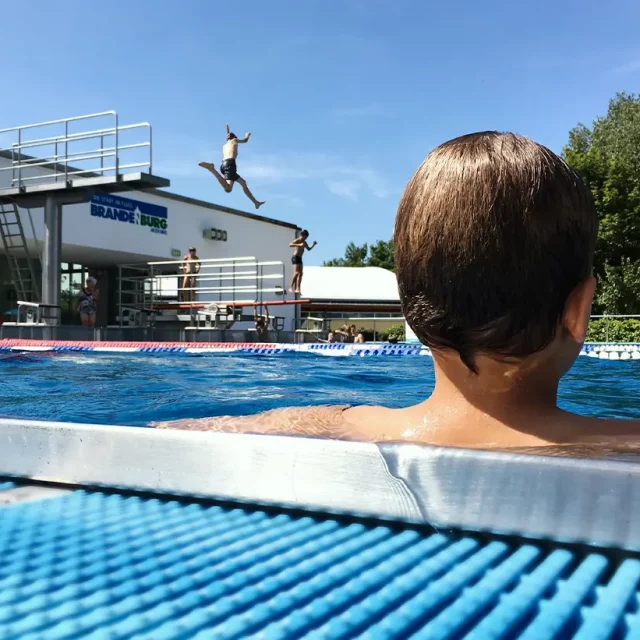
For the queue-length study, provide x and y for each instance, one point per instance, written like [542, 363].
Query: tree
[620, 288]
[379, 254]
[608, 157]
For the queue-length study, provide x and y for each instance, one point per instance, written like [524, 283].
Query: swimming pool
[136, 389]
[171, 567]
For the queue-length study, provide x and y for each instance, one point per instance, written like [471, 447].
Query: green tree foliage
[620, 288]
[396, 331]
[354, 256]
[379, 254]
[614, 330]
[608, 157]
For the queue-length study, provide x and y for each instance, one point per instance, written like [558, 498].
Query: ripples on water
[136, 389]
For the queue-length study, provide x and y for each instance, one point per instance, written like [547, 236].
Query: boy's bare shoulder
[590, 430]
[318, 421]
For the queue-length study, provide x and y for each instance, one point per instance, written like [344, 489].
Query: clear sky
[344, 98]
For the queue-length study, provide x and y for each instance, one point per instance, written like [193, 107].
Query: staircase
[21, 264]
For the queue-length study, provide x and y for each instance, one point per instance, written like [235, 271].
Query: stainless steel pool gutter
[590, 501]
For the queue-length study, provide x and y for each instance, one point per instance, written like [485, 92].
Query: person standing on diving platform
[228, 168]
[299, 245]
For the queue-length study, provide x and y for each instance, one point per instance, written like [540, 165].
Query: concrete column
[52, 251]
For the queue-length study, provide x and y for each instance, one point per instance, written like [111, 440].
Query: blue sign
[129, 211]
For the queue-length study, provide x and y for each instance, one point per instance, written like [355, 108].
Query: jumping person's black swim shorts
[296, 259]
[229, 169]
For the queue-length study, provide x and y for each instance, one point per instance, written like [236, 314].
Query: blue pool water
[135, 389]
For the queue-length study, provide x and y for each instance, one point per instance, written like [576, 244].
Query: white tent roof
[350, 284]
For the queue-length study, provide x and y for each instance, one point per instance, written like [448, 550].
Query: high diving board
[52, 166]
[52, 159]
[35, 194]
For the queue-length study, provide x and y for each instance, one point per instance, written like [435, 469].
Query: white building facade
[138, 227]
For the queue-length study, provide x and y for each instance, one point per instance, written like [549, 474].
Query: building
[109, 230]
[364, 296]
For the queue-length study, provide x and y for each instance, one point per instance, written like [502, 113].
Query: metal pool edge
[573, 500]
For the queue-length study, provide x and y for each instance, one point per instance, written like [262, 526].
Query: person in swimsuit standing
[88, 303]
[299, 245]
[229, 169]
[190, 267]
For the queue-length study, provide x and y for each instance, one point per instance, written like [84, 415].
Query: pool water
[136, 389]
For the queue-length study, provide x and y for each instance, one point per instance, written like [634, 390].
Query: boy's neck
[502, 390]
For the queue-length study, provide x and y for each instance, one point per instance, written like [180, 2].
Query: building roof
[59, 168]
[350, 284]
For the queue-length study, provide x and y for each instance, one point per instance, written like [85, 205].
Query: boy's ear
[577, 309]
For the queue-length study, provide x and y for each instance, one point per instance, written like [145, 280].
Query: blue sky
[344, 98]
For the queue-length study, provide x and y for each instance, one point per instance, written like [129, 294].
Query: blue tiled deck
[106, 565]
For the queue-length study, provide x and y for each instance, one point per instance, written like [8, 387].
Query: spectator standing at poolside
[87, 305]
[190, 267]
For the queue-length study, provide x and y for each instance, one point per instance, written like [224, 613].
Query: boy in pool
[494, 244]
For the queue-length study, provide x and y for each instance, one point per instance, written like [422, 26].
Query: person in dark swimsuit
[299, 245]
[190, 267]
[88, 303]
[228, 169]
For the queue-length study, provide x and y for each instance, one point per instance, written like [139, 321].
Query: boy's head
[304, 234]
[494, 244]
[231, 136]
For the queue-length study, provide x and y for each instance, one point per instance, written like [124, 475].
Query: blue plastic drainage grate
[101, 565]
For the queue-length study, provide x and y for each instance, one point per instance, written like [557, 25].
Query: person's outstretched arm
[246, 137]
[308, 248]
[228, 130]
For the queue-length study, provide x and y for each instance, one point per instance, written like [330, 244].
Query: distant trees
[379, 254]
[608, 157]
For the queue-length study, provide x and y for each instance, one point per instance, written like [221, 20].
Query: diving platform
[68, 161]
[34, 195]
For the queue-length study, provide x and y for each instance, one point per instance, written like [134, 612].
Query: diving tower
[68, 161]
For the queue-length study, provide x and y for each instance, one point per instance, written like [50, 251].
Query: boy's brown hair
[492, 234]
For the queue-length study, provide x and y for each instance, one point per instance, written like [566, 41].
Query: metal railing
[55, 152]
[154, 287]
[606, 318]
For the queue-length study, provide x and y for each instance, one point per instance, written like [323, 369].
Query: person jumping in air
[299, 245]
[228, 168]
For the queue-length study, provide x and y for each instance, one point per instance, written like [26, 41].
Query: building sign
[120, 209]
[176, 253]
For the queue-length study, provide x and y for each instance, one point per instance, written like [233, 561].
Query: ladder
[14, 243]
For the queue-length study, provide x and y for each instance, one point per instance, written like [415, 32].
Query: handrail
[80, 171]
[74, 137]
[71, 155]
[619, 315]
[242, 279]
[61, 155]
[232, 261]
[61, 121]
[612, 317]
